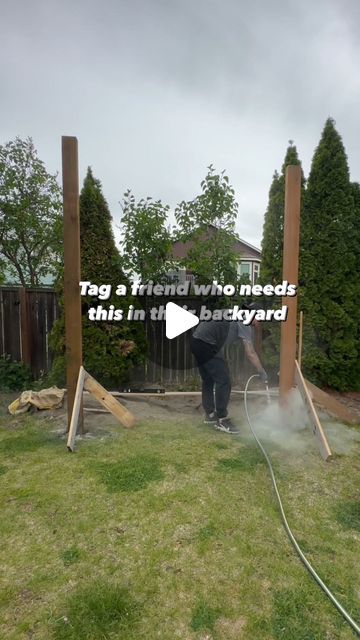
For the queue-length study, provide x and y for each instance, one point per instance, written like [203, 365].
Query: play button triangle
[178, 320]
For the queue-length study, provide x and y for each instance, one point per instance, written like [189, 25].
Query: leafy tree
[2, 271]
[30, 218]
[330, 290]
[208, 222]
[146, 244]
[110, 348]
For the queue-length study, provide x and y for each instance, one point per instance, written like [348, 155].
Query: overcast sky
[156, 90]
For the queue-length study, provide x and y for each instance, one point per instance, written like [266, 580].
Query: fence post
[25, 329]
[73, 327]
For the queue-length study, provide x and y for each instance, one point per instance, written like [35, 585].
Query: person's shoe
[210, 418]
[225, 425]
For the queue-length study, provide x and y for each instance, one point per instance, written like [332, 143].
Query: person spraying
[208, 343]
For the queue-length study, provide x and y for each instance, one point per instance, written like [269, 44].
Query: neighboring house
[249, 258]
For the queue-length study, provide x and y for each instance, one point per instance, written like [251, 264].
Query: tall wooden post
[73, 328]
[291, 274]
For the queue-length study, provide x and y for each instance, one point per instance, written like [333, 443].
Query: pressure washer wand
[267, 393]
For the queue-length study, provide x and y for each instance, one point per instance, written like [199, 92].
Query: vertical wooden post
[301, 323]
[25, 328]
[73, 328]
[291, 274]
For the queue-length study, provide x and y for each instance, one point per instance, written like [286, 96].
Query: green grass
[102, 610]
[71, 555]
[171, 530]
[129, 474]
[204, 617]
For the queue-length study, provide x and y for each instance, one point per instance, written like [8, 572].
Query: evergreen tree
[273, 229]
[272, 252]
[330, 285]
[110, 348]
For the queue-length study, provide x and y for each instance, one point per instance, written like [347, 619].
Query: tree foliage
[146, 244]
[273, 229]
[110, 348]
[272, 250]
[330, 281]
[30, 218]
[208, 222]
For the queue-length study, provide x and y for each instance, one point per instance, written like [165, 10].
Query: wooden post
[25, 328]
[301, 326]
[290, 273]
[73, 329]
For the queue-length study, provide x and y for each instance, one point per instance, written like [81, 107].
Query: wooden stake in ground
[290, 273]
[301, 324]
[72, 276]
[86, 381]
[317, 428]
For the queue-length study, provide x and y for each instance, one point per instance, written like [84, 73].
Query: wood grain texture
[331, 405]
[108, 401]
[290, 273]
[74, 420]
[72, 275]
[317, 428]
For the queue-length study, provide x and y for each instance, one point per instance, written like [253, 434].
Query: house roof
[245, 250]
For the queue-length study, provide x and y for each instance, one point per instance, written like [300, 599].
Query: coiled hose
[303, 558]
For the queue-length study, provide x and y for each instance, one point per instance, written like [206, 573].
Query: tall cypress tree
[330, 285]
[272, 251]
[110, 348]
[273, 229]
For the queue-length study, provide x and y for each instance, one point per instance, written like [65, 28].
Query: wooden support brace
[317, 428]
[74, 421]
[108, 401]
[331, 404]
[86, 381]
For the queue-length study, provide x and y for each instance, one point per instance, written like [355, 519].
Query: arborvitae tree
[330, 285]
[273, 229]
[272, 251]
[110, 348]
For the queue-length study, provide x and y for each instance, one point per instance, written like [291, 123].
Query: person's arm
[253, 357]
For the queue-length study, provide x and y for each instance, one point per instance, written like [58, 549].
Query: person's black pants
[215, 376]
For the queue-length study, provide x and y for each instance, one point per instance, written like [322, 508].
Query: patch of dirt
[233, 629]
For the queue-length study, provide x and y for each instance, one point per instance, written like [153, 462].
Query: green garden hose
[305, 561]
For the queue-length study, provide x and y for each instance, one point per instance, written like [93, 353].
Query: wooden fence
[26, 319]
[27, 316]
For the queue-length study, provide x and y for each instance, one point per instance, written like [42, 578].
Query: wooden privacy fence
[170, 362]
[26, 319]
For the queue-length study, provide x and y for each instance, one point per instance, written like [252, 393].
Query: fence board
[43, 310]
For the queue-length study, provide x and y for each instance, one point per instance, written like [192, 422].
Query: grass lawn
[171, 530]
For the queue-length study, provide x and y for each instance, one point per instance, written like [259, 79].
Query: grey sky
[156, 90]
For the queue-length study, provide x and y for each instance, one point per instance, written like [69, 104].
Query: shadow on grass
[102, 610]
[131, 474]
[348, 514]
[247, 459]
[26, 440]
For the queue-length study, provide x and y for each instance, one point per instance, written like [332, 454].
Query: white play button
[178, 320]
